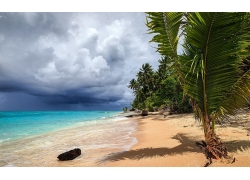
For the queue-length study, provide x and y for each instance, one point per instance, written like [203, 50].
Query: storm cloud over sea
[71, 61]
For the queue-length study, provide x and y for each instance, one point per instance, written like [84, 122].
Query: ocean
[36, 138]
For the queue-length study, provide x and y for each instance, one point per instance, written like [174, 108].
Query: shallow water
[96, 139]
[21, 124]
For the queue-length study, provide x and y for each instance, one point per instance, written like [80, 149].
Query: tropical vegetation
[213, 67]
[158, 89]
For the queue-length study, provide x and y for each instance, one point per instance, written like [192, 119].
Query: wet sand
[170, 142]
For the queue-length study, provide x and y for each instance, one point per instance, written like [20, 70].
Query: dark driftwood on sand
[129, 116]
[70, 155]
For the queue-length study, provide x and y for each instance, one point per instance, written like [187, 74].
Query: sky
[70, 60]
[82, 56]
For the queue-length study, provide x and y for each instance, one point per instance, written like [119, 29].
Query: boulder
[69, 155]
[144, 113]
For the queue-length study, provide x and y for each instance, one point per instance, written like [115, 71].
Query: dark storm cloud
[71, 60]
[32, 25]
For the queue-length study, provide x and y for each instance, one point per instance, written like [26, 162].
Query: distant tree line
[160, 89]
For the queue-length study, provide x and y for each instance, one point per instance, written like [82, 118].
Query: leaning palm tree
[209, 69]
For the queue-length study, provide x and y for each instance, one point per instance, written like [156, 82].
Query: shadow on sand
[187, 145]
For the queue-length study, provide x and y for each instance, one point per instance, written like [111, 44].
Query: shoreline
[64, 128]
[170, 142]
[95, 139]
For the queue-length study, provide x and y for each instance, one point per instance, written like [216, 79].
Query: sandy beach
[139, 141]
[170, 142]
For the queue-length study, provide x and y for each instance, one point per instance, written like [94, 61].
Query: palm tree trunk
[214, 148]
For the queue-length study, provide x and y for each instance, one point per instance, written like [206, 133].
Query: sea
[36, 138]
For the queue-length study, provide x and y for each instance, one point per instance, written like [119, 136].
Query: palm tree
[133, 84]
[162, 69]
[147, 74]
[210, 67]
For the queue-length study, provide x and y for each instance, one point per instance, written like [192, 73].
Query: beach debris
[69, 155]
[144, 113]
[207, 164]
[233, 161]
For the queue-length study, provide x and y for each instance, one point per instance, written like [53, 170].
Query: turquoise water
[17, 125]
[35, 139]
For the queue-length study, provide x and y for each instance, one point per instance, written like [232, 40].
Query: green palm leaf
[213, 42]
[236, 97]
[166, 26]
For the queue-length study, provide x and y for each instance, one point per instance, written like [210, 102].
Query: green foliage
[216, 46]
[158, 89]
[125, 109]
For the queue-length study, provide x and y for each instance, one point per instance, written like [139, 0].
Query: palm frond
[214, 46]
[237, 97]
[166, 27]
